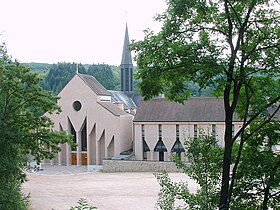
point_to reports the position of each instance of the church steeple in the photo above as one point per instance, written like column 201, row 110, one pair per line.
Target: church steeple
column 126, row 66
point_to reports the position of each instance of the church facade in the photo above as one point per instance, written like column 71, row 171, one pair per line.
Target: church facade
column 99, row 128
column 99, row 120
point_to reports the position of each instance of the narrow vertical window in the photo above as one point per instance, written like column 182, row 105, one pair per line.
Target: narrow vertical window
column 84, row 137
column 195, row 131
column 177, row 132
column 160, row 131
column 214, row 131
column 143, row 131
column 145, row 145
column 232, row 130
column 122, row 79
column 131, row 79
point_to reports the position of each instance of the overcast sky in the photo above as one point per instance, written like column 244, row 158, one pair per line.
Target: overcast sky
column 84, row 31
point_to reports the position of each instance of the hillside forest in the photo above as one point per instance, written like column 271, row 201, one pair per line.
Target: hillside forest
column 56, row 76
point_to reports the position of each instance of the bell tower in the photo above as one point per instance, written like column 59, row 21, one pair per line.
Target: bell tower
column 126, row 66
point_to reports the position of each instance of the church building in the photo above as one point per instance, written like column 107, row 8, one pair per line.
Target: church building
column 99, row 120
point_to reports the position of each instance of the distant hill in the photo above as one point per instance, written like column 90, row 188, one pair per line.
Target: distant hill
column 56, row 76
column 39, row 67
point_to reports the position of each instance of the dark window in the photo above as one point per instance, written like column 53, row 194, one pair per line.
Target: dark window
column 145, row 146
column 177, row 132
column 84, row 137
column 122, row 79
column 161, row 156
column 143, row 130
column 77, row 105
column 73, row 132
column 214, row 131
column 177, row 147
column 160, row 131
column 126, row 79
column 195, row 131
column 131, row 79
column 160, row 147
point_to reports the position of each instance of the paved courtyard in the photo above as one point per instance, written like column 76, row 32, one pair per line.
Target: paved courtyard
column 59, row 187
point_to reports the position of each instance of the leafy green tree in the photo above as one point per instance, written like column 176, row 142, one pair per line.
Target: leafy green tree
column 259, row 171
column 205, row 158
column 59, row 75
column 103, row 73
column 23, row 129
column 232, row 46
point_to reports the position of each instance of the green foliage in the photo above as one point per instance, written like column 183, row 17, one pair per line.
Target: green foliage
column 83, row 205
column 38, row 67
column 59, row 75
column 23, row 129
column 103, row 73
column 230, row 46
column 259, row 171
column 206, row 163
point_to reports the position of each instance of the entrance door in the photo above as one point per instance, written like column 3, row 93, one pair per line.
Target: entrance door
column 74, row 159
column 84, row 158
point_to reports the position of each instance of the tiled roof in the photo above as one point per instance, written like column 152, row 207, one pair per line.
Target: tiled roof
column 112, row 108
column 198, row 109
column 94, row 84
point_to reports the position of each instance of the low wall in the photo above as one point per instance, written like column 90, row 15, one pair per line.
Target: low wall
column 138, row 166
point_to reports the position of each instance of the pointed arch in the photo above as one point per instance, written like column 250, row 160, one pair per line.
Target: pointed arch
column 177, row 147
column 160, row 147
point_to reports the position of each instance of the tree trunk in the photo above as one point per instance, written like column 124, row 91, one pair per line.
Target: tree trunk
column 224, row 194
column 226, row 170
column 266, row 198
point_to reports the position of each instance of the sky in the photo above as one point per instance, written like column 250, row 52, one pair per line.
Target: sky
column 83, row 31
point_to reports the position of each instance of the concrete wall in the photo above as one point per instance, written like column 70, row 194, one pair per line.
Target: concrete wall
column 138, row 166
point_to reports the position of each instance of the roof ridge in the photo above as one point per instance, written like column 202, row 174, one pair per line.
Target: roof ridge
column 97, row 87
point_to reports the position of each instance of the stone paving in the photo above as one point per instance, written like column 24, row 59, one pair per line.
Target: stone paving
column 60, row 187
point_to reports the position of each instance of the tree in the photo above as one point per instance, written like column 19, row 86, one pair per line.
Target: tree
column 259, row 171
column 24, row 130
column 232, row 46
column 103, row 73
column 59, row 75
column 205, row 158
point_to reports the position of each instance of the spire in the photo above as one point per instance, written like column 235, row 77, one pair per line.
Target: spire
column 126, row 66
column 126, row 55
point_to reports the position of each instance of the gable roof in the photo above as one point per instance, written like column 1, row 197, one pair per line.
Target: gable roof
column 94, row 85
column 198, row 109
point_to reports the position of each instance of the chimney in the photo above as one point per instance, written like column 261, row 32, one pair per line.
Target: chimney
column 120, row 105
